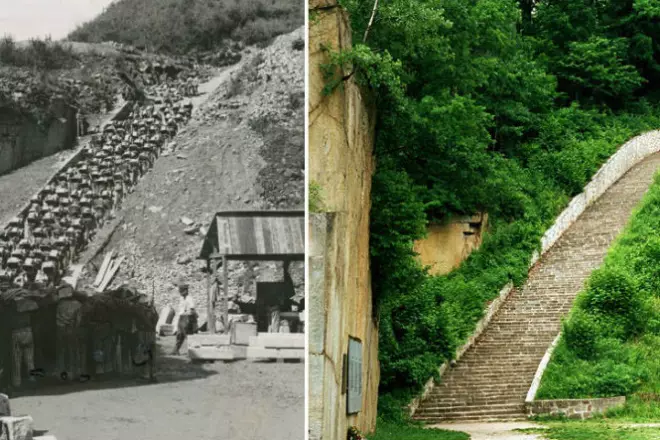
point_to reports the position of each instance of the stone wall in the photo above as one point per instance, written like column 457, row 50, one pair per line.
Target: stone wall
column 23, row 141
column 341, row 135
column 446, row 246
column 629, row 154
column 573, row 408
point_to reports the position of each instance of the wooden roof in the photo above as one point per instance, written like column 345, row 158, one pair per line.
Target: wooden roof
column 256, row 235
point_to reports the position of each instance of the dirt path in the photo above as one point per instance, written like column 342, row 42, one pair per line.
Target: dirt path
column 17, row 187
column 492, row 431
column 236, row 401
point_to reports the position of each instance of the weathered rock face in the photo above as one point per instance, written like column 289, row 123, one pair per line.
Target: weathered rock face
column 447, row 245
column 341, row 136
column 23, row 141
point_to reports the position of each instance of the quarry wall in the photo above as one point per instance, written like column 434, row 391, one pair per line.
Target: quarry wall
column 447, row 245
column 23, row 140
column 341, row 136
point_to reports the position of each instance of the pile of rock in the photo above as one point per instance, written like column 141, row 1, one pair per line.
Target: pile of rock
column 17, row 427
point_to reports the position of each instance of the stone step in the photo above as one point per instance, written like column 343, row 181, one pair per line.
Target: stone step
column 476, row 388
column 439, row 401
column 478, row 413
column 447, row 408
column 473, row 419
column 491, row 380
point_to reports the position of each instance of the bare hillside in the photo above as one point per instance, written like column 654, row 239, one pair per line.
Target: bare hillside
column 243, row 150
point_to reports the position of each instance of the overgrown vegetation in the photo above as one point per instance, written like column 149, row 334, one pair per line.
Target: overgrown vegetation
column 315, row 198
column 185, row 26
column 611, row 339
column 35, row 74
column 484, row 106
column 36, row 54
column 395, row 431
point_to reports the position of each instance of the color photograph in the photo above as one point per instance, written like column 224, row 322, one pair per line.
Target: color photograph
column 483, row 219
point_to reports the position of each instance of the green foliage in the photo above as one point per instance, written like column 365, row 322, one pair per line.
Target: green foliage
column 599, row 429
column 179, row 26
column 395, row 431
column 581, row 333
column 483, row 106
column 611, row 340
column 315, row 197
column 598, row 66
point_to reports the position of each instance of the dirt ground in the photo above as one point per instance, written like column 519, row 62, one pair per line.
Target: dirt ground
column 241, row 400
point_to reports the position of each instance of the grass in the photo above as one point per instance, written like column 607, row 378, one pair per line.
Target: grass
column 611, row 339
column 396, row 431
column 594, row 430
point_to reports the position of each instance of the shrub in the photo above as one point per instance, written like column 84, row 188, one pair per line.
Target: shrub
column 178, row 26
column 610, row 342
column 581, row 332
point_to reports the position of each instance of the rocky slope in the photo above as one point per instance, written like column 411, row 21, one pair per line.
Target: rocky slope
column 243, row 150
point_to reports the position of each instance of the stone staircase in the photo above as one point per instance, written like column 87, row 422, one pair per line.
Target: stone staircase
column 491, row 380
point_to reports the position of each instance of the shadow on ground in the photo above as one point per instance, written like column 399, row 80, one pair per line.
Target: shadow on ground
column 168, row 369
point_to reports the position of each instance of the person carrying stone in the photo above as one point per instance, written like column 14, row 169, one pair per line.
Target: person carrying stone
column 187, row 316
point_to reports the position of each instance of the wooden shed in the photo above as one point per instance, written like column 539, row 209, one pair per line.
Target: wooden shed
column 251, row 236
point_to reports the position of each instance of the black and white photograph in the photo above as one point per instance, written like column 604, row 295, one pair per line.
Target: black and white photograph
column 152, row 219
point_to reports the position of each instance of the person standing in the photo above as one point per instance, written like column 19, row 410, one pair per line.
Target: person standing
column 187, row 316
column 68, row 340
column 22, row 340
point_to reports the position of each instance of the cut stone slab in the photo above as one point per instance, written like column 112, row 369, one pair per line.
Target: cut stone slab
column 218, row 353
column 278, row 340
column 166, row 316
column 16, row 428
column 202, row 340
column 275, row 353
column 241, row 332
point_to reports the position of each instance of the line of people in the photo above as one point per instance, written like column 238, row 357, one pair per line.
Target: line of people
column 37, row 248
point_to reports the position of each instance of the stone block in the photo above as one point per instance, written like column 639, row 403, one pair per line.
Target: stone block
column 275, row 353
column 278, row 340
column 206, row 340
column 16, row 428
column 242, row 332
